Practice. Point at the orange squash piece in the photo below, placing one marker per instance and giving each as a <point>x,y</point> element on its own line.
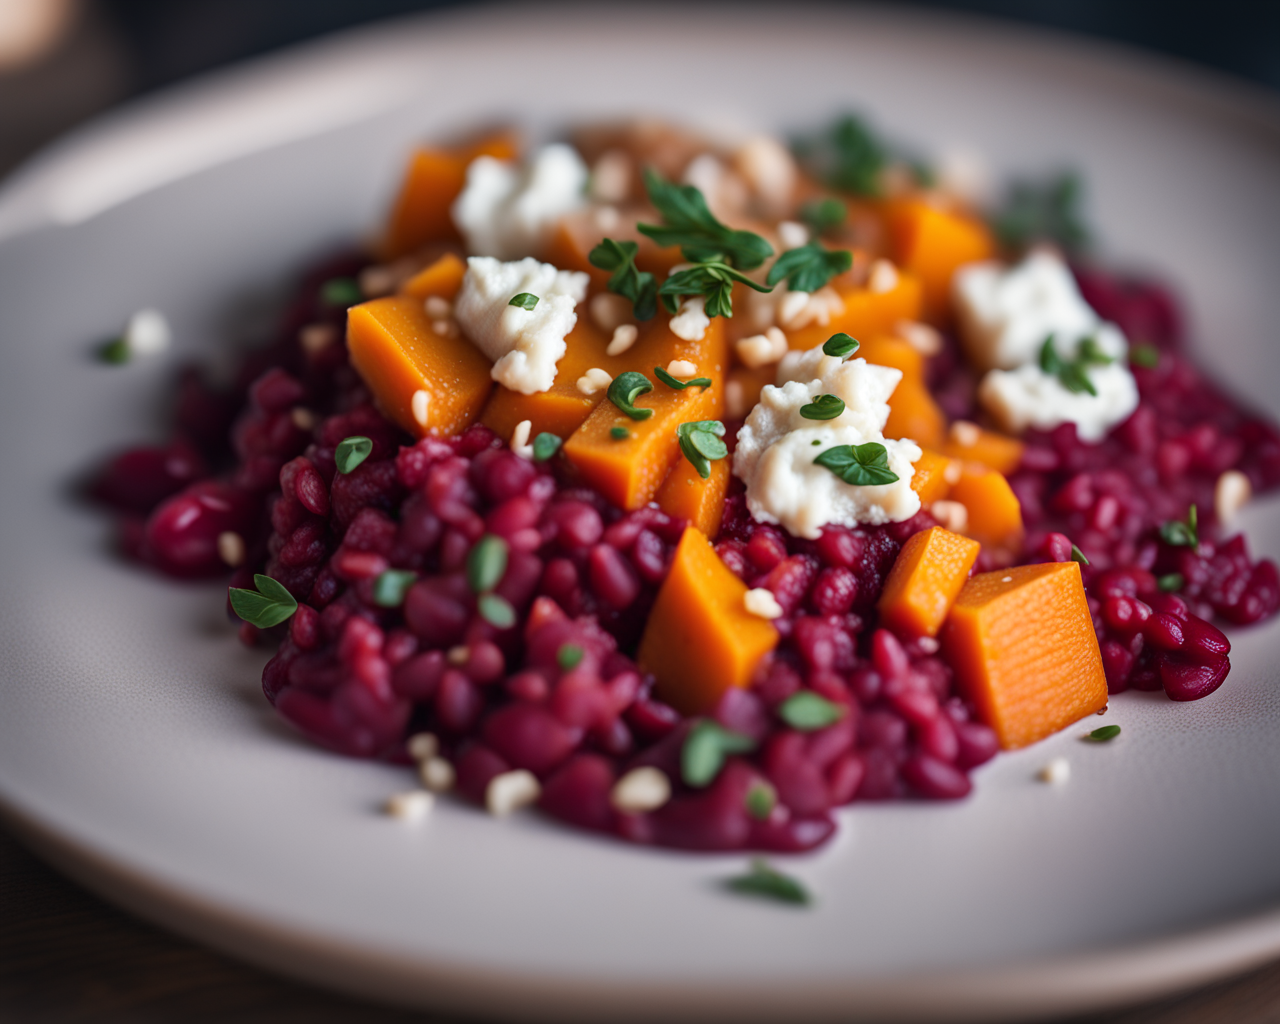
<point>442,279</point>
<point>924,581</point>
<point>866,313</point>
<point>995,515</point>
<point>885,350</point>
<point>931,244</point>
<point>628,471</point>
<point>396,351</point>
<point>913,413</point>
<point>700,639</point>
<point>748,383</point>
<point>432,181</point>
<point>578,233</point>
<point>1022,645</point>
<point>972,443</point>
<point>562,409</point>
<point>685,495</point>
<point>931,479</point>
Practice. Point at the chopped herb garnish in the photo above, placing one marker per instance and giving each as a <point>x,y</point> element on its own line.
<point>496,611</point>
<point>352,451</point>
<point>700,442</point>
<point>823,407</point>
<point>525,300</point>
<point>840,345</point>
<point>807,711</point>
<point>815,442</point>
<point>545,445</point>
<point>1145,355</point>
<point>391,586</point>
<point>761,800</point>
<point>341,291</point>
<point>762,880</point>
<point>705,750</point>
<point>569,656</point>
<point>810,267</point>
<point>1071,374</point>
<point>862,465</point>
<point>1171,582</point>
<point>486,563</point>
<point>680,385</point>
<point>619,433</point>
<point>713,280</point>
<point>1182,534</point>
<point>115,351</point>
<point>624,391</point>
<point>1103,734</point>
<point>690,224</point>
<point>847,156</point>
<point>265,607</point>
<point>1078,556</point>
<point>628,281</point>
<point>1048,210</point>
<point>823,214</point>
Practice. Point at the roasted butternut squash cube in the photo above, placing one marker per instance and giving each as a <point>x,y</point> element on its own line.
<point>441,279</point>
<point>866,313</point>
<point>994,512</point>
<point>700,639</point>
<point>929,572</point>
<point>932,244</point>
<point>428,383</point>
<point>685,495</point>
<point>1022,645</point>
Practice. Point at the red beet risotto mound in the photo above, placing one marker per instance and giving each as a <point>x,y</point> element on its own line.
<point>475,602</point>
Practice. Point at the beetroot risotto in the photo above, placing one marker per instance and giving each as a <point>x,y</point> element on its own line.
<point>692,492</point>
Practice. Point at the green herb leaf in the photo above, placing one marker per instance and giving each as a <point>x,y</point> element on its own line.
<point>1050,361</point>
<point>762,880</point>
<point>525,300</point>
<point>823,407</point>
<point>352,451</point>
<point>690,224</point>
<point>705,750</point>
<point>861,465</point>
<point>1145,355</point>
<point>680,385</point>
<point>545,445</point>
<point>810,267</point>
<point>840,345</point>
<point>1171,583</point>
<point>1048,210</point>
<point>760,800</point>
<point>115,352</point>
<point>624,391</point>
<point>808,711</point>
<point>391,586</point>
<point>1073,377</point>
<point>619,433</point>
<point>496,611</point>
<point>569,656</point>
<point>847,156</point>
<point>1103,734</point>
<point>700,442</point>
<point>1090,353</point>
<point>265,607</point>
<point>486,563</point>
<point>1182,534</point>
<point>823,214</point>
<point>1078,556</point>
<point>713,280</point>
<point>341,291</point>
<point>628,281</point>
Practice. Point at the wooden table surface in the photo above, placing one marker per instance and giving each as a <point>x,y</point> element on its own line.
<point>67,956</point>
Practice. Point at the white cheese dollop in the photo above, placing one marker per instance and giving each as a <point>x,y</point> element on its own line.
<point>524,344</point>
<point>1006,313</point>
<point>1029,397</point>
<point>776,448</point>
<point>507,211</point>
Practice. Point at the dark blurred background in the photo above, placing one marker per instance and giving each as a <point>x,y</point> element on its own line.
<point>61,61</point>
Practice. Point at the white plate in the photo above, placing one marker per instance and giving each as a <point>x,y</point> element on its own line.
<point>137,752</point>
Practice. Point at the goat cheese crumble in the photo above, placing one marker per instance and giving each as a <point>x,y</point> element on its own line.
<point>524,344</point>
<point>1005,316</point>
<point>508,211</point>
<point>777,447</point>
